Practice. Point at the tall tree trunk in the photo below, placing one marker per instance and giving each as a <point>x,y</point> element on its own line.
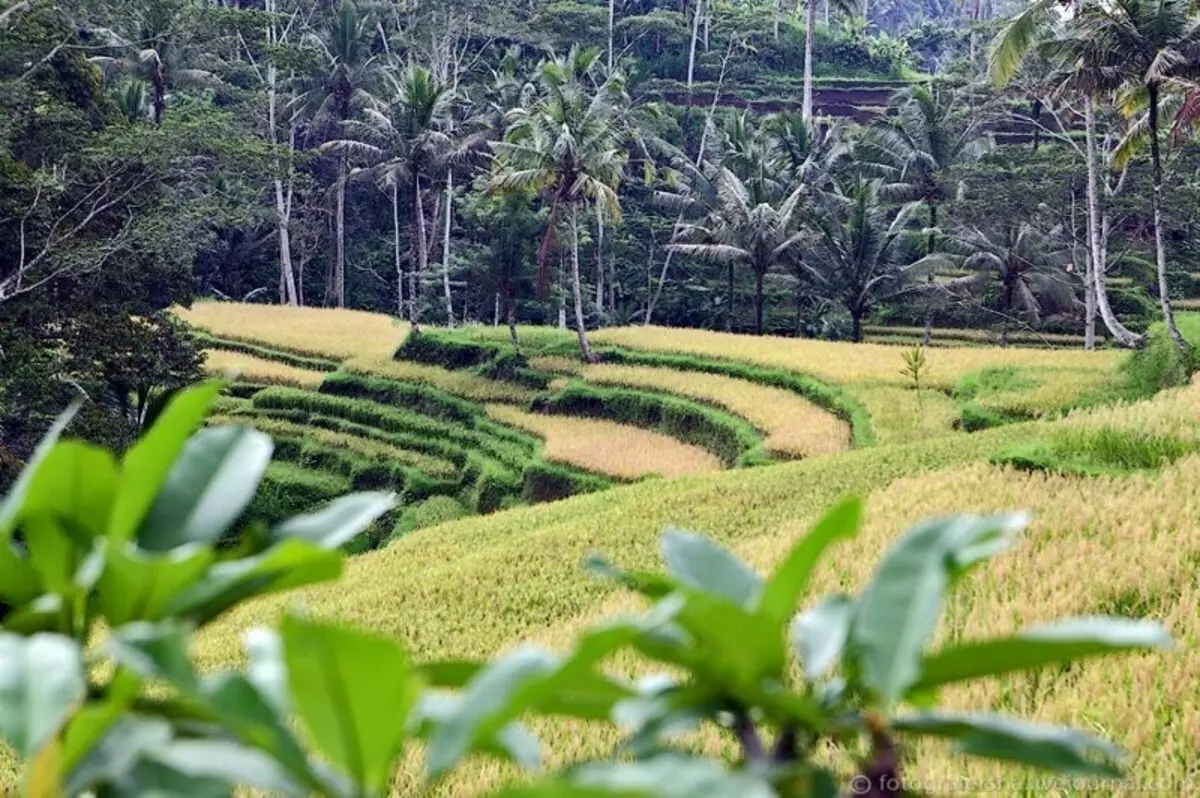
<point>510,310</point>
<point>577,289</point>
<point>1160,251</point>
<point>446,248</point>
<point>612,17</point>
<point>826,13</point>
<point>600,259</point>
<point>691,72</point>
<point>856,315</point>
<point>339,268</point>
<point>416,276</point>
<point>396,247</point>
<point>729,300</point>
<point>1096,234</point>
<point>930,248</point>
<point>283,202</point>
<point>810,22</point>
<point>758,301</point>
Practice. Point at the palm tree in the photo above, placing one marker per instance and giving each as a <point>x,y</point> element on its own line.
<point>858,256</point>
<point>1039,27</point>
<point>848,7</point>
<point>566,144</point>
<point>739,230</point>
<point>914,150</point>
<point>333,95</point>
<point>1025,267</point>
<point>403,139</point>
<point>1140,45</point>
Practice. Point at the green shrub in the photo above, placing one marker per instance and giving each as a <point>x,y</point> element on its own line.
<point>244,390</point>
<point>448,350</point>
<point>992,380</point>
<point>547,482</point>
<point>412,396</point>
<point>732,439</point>
<point>975,417</point>
<point>266,353</point>
<point>430,512</point>
<point>1158,364</point>
<point>829,397</point>
<point>1095,452</point>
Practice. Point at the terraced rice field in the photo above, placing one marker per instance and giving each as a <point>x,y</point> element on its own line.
<point>223,362</point>
<point>617,450</point>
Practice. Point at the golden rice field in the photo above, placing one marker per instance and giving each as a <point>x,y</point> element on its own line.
<point>324,332</point>
<point>222,362</point>
<point>843,363</point>
<point>618,450</point>
<point>1111,544</point>
<point>900,415</point>
<point>459,383</point>
<point>794,426</point>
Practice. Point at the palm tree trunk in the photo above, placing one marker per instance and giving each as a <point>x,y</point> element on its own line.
<point>1096,232</point>
<point>600,259</point>
<point>1160,252</point>
<point>810,22</point>
<point>856,315</point>
<point>691,73</point>
<point>729,300</point>
<point>417,274</point>
<point>577,289</point>
<point>931,245</point>
<point>396,247</point>
<point>758,300</point>
<point>612,16</point>
<point>510,310</point>
<point>339,268</point>
<point>446,249</point>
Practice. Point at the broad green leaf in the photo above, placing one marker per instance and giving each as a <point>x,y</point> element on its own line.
<point>52,553</point>
<point>91,724</point>
<point>741,648</point>
<point>41,681</point>
<point>662,709</point>
<point>698,562</point>
<point>353,691</point>
<point>1055,748</point>
<point>900,607</point>
<point>76,483</point>
<point>819,634</point>
<point>19,582</point>
<point>450,674</point>
<point>113,753</point>
<point>142,586</point>
<point>338,522</point>
<point>207,488</point>
<point>225,761</point>
<point>286,565</point>
<point>561,788</point>
<point>649,584</point>
<point>673,776</point>
<point>1061,641</point>
<point>512,742</point>
<point>146,465</point>
<point>155,651</point>
<point>14,501</point>
<point>785,588</point>
<point>490,699</point>
<point>266,669</point>
<point>45,613</point>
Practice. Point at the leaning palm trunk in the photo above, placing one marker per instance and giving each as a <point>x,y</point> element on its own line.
<point>339,267</point>
<point>577,289</point>
<point>691,72</point>
<point>600,259</point>
<point>417,274</point>
<point>396,247</point>
<point>1160,252</point>
<point>1096,236</point>
<point>810,22</point>
<point>446,249</point>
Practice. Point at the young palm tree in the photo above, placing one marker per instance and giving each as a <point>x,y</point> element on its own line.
<point>1025,267</point>
<point>403,138</point>
<point>740,231</point>
<point>858,257</point>
<point>566,144</point>
<point>1140,45</point>
<point>333,95</point>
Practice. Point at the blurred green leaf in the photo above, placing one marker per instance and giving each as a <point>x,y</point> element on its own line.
<point>354,692</point>
<point>155,651</point>
<point>1061,641</point>
<point>207,488</point>
<point>819,634</point>
<point>148,462</point>
<point>19,582</point>
<point>672,776</point>
<point>41,682</point>
<point>649,584</point>
<point>701,564</point>
<point>1055,748</point>
<point>338,522</point>
<point>512,741</point>
<point>141,586</point>
<point>785,588</point>
<point>76,483</point>
<point>14,501</point>
<point>900,607</point>
<point>225,761</point>
<point>111,745</point>
<point>46,613</point>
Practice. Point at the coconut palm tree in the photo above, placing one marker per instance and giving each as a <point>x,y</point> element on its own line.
<point>333,94</point>
<point>1141,46</point>
<point>858,255</point>
<point>740,231</point>
<point>1021,265</point>
<point>566,144</point>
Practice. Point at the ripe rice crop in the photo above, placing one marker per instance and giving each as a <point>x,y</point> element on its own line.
<point>618,450</point>
<point>842,363</point>
<point>220,362</point>
<point>328,332</point>
<point>460,383</point>
<point>898,417</point>
<point>794,426</point>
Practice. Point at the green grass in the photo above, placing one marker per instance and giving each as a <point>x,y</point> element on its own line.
<point>1106,451</point>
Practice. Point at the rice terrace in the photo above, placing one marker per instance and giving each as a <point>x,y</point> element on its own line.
<point>746,440</point>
